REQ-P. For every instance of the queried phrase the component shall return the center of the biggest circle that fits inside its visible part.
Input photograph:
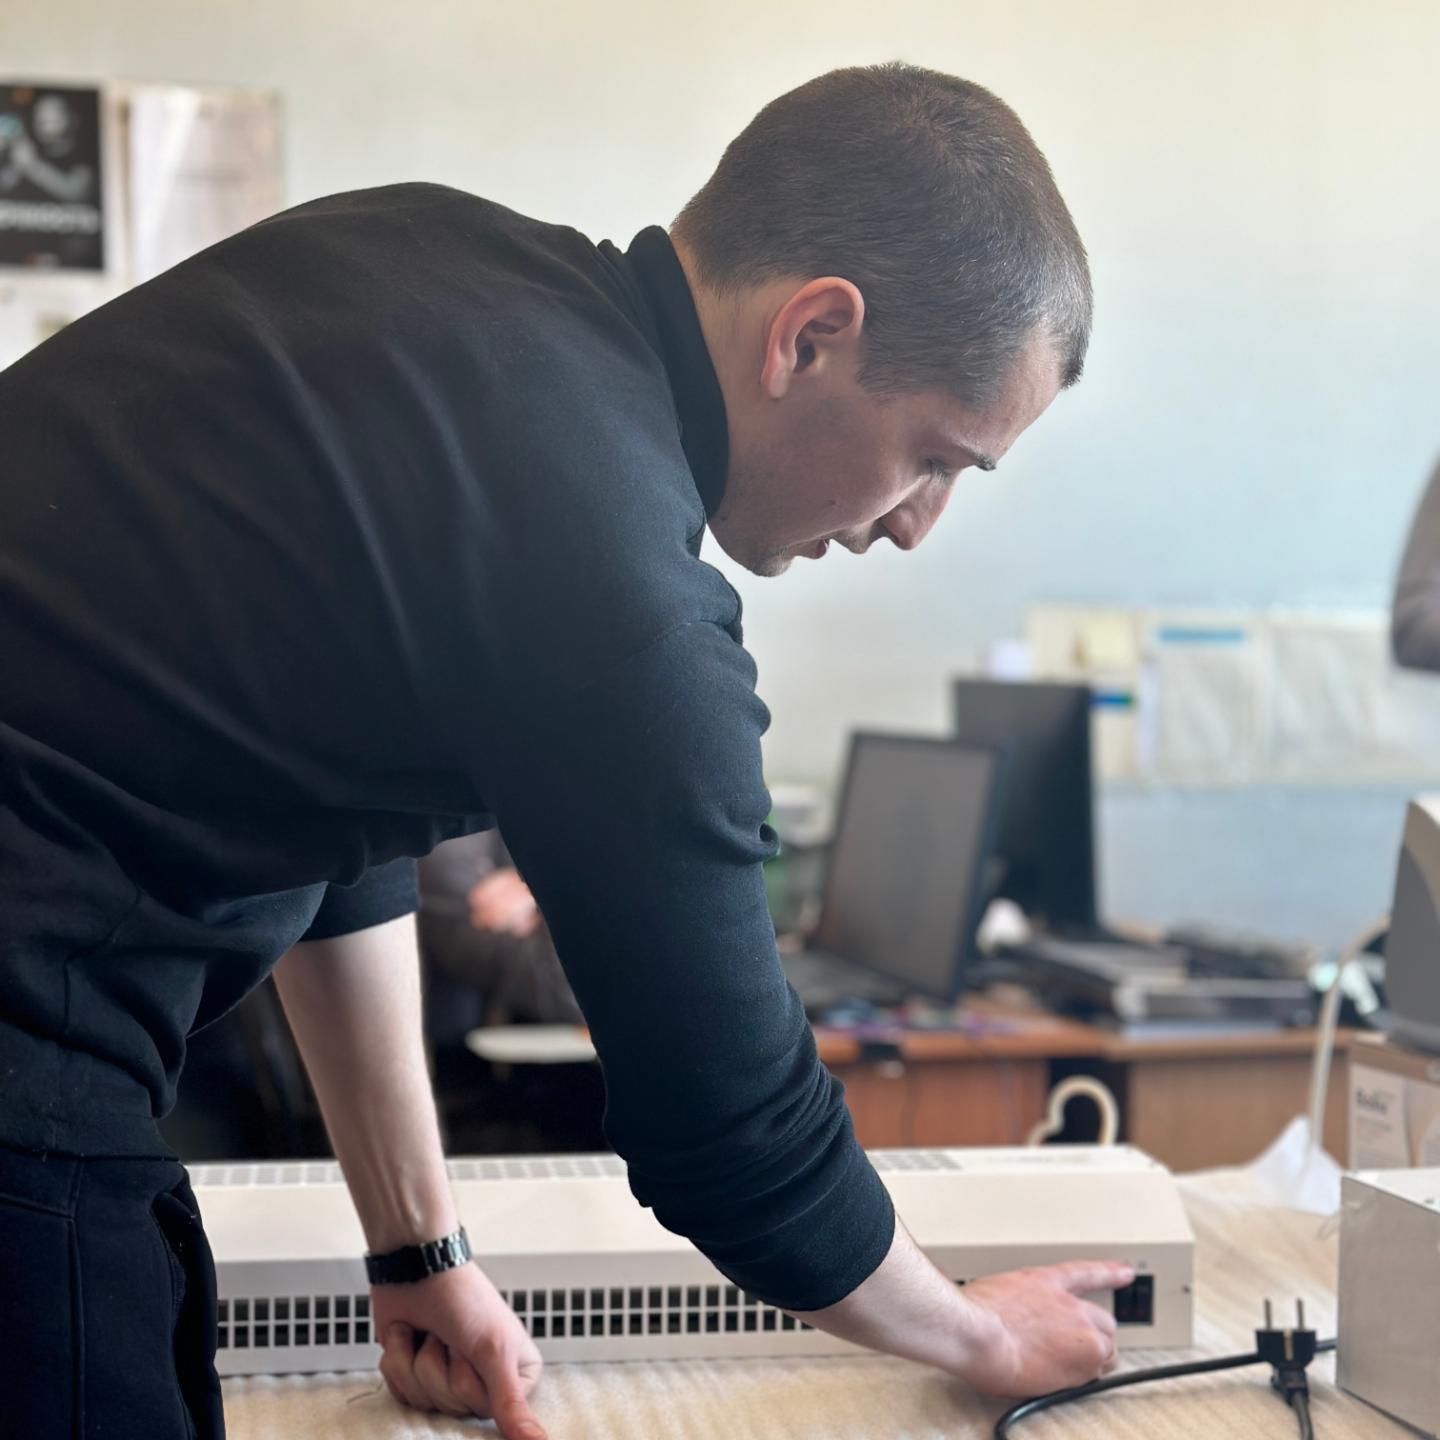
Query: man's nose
(911, 521)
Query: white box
(1389, 1341)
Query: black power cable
(1301, 1405)
(1288, 1352)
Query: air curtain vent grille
(258, 1322)
(327, 1172)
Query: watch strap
(417, 1262)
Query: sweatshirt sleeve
(383, 892)
(637, 813)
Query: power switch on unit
(1135, 1304)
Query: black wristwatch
(415, 1262)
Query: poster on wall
(202, 164)
(52, 214)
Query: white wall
(1257, 184)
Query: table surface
(1245, 1251)
(1028, 1035)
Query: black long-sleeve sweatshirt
(368, 525)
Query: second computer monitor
(1046, 843)
(907, 879)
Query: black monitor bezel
(965, 952)
(1085, 919)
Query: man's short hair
(928, 194)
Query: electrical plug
(1288, 1353)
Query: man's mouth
(817, 550)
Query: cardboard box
(1394, 1105)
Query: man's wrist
(980, 1334)
(907, 1307)
(401, 1199)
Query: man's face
(816, 459)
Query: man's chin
(770, 565)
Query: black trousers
(107, 1302)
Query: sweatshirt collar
(698, 400)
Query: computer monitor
(906, 884)
(1046, 843)
(1412, 949)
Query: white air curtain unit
(595, 1277)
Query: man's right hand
(1032, 1333)
(1019, 1334)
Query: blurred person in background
(481, 930)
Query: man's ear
(817, 328)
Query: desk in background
(1192, 1102)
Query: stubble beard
(771, 565)
(742, 485)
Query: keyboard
(825, 983)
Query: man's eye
(939, 472)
